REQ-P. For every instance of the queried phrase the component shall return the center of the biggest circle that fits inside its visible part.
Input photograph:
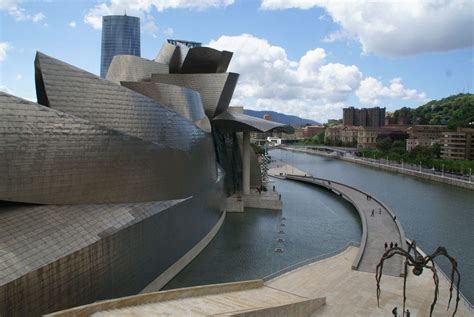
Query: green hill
(454, 111)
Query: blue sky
(307, 57)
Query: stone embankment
(389, 168)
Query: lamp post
(470, 175)
(402, 163)
(420, 166)
(442, 170)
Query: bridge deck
(377, 229)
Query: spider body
(419, 262)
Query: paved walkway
(346, 292)
(353, 293)
(377, 229)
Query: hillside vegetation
(454, 111)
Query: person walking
(372, 213)
(396, 244)
(386, 245)
(380, 211)
(391, 245)
(407, 314)
(395, 312)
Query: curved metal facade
(55, 158)
(186, 102)
(133, 68)
(128, 177)
(120, 36)
(206, 60)
(216, 89)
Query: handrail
(309, 261)
(361, 214)
(466, 301)
(358, 258)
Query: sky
(309, 58)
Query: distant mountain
(280, 117)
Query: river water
(318, 222)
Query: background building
(458, 145)
(366, 117)
(120, 36)
(312, 130)
(424, 135)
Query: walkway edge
(358, 258)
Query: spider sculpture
(418, 262)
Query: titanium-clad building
(120, 36)
(111, 186)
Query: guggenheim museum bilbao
(110, 184)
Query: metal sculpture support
(419, 262)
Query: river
(318, 222)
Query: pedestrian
(372, 213)
(273, 187)
(396, 244)
(394, 312)
(407, 314)
(380, 211)
(279, 196)
(386, 245)
(394, 218)
(391, 245)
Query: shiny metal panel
(206, 60)
(55, 257)
(173, 56)
(239, 122)
(185, 101)
(133, 68)
(216, 89)
(49, 157)
(82, 94)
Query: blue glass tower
(120, 36)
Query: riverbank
(385, 167)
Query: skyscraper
(120, 36)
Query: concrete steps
(249, 298)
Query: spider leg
(454, 271)
(405, 284)
(436, 281)
(387, 255)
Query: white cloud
(309, 87)
(371, 91)
(19, 77)
(142, 7)
(18, 13)
(396, 28)
(72, 24)
(168, 31)
(5, 89)
(4, 47)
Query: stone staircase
(248, 298)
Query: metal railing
(310, 260)
(467, 178)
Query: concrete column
(246, 163)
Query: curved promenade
(376, 230)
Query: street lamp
(402, 163)
(442, 170)
(420, 166)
